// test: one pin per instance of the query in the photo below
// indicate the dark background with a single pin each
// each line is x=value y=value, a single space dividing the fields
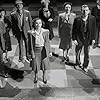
x=27 y=2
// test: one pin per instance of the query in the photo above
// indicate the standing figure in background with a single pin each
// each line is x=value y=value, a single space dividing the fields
x=83 y=35
x=21 y=23
x=65 y=24
x=6 y=34
x=2 y=41
x=40 y=47
x=46 y=13
x=96 y=12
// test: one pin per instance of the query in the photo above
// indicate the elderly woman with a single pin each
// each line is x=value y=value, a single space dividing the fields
x=65 y=23
x=40 y=48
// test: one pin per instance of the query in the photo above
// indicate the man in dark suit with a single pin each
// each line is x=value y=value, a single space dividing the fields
x=83 y=34
x=21 y=24
x=96 y=12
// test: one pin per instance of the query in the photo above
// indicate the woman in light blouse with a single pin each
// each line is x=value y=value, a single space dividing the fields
x=40 y=48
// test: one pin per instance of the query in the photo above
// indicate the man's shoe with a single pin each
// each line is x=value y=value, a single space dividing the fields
x=78 y=64
x=67 y=59
x=85 y=70
x=96 y=81
x=98 y=46
x=94 y=46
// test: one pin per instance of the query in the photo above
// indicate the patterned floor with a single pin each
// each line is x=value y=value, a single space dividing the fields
x=64 y=82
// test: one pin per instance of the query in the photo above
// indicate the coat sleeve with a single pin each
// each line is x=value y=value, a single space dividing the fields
x=47 y=43
x=59 y=25
x=52 y=13
x=74 y=29
x=12 y=22
x=2 y=41
x=94 y=29
x=30 y=21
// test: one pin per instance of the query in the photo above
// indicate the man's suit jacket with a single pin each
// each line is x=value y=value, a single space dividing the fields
x=78 y=31
x=2 y=31
x=26 y=23
x=95 y=13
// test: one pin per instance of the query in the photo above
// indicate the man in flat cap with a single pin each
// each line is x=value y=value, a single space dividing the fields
x=21 y=23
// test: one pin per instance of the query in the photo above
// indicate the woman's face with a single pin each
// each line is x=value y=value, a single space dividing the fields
x=38 y=23
x=2 y=13
x=67 y=8
x=44 y=2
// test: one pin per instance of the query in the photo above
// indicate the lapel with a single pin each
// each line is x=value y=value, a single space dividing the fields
x=89 y=20
x=17 y=19
x=23 y=20
x=81 y=24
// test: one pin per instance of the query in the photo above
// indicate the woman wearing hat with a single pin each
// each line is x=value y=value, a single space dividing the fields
x=65 y=23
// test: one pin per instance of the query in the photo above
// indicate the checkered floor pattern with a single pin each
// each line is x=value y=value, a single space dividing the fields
x=64 y=82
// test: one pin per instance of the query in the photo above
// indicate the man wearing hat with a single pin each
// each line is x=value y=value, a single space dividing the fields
x=96 y=12
x=21 y=24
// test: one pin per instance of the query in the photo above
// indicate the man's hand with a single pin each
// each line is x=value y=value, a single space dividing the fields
x=93 y=42
x=50 y=19
x=75 y=42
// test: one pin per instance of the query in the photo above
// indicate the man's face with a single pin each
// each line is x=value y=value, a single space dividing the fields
x=85 y=11
x=19 y=6
x=68 y=8
x=98 y=2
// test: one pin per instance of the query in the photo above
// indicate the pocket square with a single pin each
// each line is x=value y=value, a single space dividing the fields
x=26 y=18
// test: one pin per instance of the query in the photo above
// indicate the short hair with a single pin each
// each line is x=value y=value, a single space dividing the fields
x=34 y=20
x=42 y=1
x=67 y=3
x=2 y=9
x=84 y=6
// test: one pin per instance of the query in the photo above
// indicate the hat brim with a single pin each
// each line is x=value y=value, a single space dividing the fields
x=19 y=2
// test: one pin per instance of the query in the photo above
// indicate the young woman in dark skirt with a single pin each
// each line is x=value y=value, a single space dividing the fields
x=40 y=48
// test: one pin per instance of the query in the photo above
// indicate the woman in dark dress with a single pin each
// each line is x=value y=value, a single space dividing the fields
x=46 y=13
x=6 y=34
x=65 y=23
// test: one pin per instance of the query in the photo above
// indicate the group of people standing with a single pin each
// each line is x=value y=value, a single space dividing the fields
x=38 y=33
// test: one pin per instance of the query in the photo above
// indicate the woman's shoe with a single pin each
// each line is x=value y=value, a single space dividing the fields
x=63 y=59
x=67 y=58
x=35 y=80
x=44 y=80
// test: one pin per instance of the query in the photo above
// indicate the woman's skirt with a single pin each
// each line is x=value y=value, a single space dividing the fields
x=38 y=62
